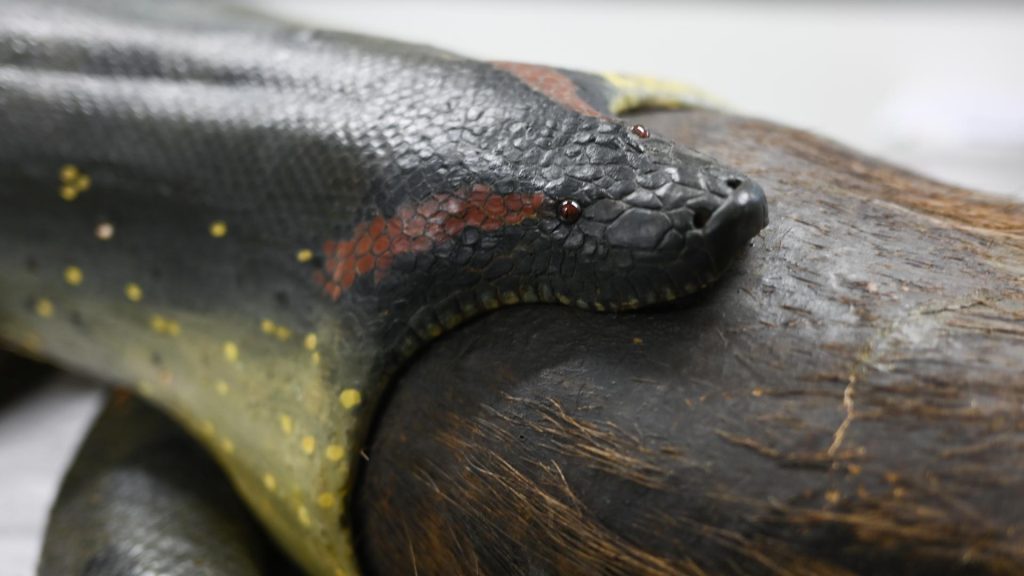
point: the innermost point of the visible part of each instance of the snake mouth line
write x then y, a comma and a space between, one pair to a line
652, 276
430, 322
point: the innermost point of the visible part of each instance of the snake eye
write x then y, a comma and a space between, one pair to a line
569, 211
640, 131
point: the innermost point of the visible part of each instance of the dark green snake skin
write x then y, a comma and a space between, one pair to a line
254, 225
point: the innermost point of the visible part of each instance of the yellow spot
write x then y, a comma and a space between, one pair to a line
267, 326
302, 514
68, 172
162, 325
230, 351
638, 341
44, 307
207, 428
334, 452
73, 275
310, 342
340, 572
282, 333
133, 292
315, 358
219, 229
308, 445
82, 183
145, 388
68, 194
222, 388
104, 230
854, 469
304, 255
228, 446
73, 182
158, 323
757, 392
350, 398
269, 482
287, 425
832, 496
325, 500
173, 328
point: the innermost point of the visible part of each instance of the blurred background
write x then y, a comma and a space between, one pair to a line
937, 86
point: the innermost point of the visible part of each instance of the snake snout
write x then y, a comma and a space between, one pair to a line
739, 217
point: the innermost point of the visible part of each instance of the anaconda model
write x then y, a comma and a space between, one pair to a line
254, 225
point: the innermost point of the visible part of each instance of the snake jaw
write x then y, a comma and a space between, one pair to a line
681, 253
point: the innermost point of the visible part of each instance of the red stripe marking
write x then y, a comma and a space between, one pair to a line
551, 83
418, 228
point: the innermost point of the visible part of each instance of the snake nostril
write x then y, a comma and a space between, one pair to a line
701, 216
733, 182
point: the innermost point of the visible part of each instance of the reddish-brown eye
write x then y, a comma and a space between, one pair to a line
569, 211
640, 130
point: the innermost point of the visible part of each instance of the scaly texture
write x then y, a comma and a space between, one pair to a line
255, 225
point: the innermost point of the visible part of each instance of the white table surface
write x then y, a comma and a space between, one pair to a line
936, 86
39, 433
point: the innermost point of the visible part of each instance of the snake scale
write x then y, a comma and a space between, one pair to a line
255, 225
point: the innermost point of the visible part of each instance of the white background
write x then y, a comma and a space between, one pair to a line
937, 86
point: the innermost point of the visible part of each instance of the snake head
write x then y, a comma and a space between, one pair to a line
539, 202
632, 219
593, 213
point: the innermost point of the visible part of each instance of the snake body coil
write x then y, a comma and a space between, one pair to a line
254, 225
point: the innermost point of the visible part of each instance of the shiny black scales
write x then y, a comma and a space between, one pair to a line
296, 137
255, 224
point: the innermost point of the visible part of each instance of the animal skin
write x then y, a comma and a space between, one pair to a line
255, 225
